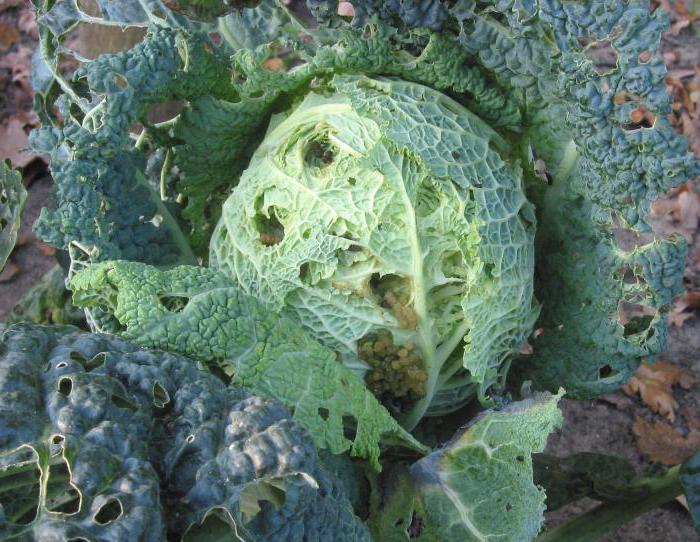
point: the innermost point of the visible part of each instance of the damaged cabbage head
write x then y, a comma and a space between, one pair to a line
388, 219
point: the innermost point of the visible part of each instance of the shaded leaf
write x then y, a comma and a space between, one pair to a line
12, 198
598, 476
479, 486
661, 442
690, 480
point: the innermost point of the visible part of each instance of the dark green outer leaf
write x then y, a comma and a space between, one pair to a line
598, 476
12, 198
132, 443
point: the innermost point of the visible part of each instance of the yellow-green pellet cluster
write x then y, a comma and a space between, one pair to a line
396, 372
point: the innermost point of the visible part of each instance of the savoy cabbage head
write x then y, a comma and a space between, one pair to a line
375, 212
385, 217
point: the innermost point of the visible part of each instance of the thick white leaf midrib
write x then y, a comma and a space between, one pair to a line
420, 302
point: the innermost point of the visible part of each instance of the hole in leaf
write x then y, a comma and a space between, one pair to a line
21, 503
319, 152
165, 111
349, 427
601, 53
58, 439
606, 371
269, 227
189, 439
639, 118
644, 57
62, 496
636, 319
65, 386
173, 302
61, 365
415, 529
324, 413
120, 81
352, 181
509, 507
110, 511
93, 363
121, 402
160, 396
304, 273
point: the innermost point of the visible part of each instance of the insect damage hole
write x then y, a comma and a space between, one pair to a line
21, 504
65, 386
319, 153
62, 496
269, 228
639, 118
111, 511
173, 302
636, 319
606, 371
601, 53
161, 397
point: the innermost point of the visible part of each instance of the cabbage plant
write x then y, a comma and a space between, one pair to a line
384, 215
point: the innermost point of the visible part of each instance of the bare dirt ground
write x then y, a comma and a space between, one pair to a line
659, 425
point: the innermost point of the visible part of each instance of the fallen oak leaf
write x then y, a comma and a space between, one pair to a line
689, 209
26, 23
683, 308
14, 143
7, 274
44, 249
654, 384
660, 442
8, 36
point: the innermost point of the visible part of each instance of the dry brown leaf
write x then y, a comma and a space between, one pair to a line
23, 238
654, 384
44, 249
7, 274
26, 23
683, 501
19, 62
8, 36
661, 442
689, 208
683, 308
14, 143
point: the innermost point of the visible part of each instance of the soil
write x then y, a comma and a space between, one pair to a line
601, 425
